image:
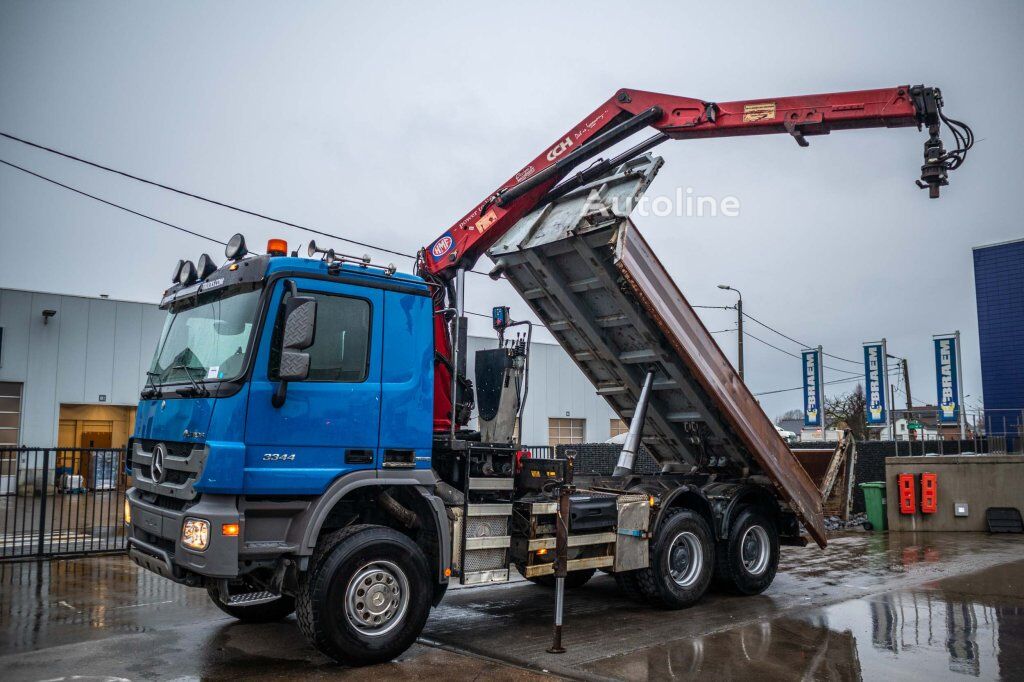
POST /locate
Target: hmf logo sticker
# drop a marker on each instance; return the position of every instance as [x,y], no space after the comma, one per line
[442,246]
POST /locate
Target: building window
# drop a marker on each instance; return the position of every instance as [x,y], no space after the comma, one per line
[566,431]
[10,414]
[617,427]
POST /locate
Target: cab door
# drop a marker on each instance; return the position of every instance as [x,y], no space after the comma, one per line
[329,423]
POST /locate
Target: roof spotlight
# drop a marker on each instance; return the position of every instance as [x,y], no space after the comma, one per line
[177,271]
[188,274]
[236,249]
[205,266]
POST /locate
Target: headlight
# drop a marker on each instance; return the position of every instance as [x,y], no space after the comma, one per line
[195,534]
[127,513]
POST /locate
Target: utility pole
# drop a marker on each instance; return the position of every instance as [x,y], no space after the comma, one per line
[906,383]
[739,326]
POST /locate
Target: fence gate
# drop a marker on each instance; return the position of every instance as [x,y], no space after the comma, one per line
[61,501]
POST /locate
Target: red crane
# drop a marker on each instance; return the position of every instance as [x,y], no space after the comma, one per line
[445,260]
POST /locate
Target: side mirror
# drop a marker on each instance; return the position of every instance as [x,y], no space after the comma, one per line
[299,334]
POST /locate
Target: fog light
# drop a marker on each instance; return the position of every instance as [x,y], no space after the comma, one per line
[127,513]
[195,534]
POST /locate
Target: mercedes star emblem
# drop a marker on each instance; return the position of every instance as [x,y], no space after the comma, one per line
[159,472]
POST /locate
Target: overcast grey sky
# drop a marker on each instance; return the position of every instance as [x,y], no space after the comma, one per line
[386,122]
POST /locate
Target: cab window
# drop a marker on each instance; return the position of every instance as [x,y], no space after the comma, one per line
[341,347]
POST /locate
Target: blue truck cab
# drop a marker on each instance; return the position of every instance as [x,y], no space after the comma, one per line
[239,462]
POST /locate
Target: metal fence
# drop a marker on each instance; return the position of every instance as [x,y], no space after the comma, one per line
[61,501]
[983,431]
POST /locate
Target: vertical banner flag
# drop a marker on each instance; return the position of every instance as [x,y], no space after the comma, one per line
[813,407]
[947,376]
[876,382]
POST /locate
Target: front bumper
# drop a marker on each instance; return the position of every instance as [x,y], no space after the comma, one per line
[154,539]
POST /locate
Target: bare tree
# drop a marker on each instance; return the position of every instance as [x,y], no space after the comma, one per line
[848,411]
[789,414]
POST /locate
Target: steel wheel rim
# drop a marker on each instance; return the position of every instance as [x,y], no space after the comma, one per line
[755,550]
[685,559]
[377,598]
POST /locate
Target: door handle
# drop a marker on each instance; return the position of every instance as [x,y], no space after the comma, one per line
[359,456]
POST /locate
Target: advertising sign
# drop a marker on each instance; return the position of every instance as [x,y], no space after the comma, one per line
[813,396]
[947,376]
[876,383]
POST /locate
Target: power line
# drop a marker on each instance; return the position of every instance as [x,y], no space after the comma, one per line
[800,388]
[794,355]
[798,342]
[143,215]
[111,203]
[214,202]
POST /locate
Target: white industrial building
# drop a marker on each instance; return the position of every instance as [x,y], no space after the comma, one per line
[72,367]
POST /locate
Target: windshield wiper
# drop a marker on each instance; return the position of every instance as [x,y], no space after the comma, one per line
[155,392]
[196,389]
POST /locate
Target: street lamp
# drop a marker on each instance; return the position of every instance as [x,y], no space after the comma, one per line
[739,324]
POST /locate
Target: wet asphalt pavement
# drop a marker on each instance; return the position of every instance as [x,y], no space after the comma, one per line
[923,606]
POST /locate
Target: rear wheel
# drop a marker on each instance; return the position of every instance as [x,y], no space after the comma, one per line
[572,580]
[682,561]
[628,584]
[366,595]
[749,558]
[266,612]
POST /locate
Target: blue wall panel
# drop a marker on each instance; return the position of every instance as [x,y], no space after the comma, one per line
[999,284]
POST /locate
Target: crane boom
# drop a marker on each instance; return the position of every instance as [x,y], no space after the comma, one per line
[673,117]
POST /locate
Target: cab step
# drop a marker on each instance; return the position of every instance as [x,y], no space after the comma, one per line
[252,598]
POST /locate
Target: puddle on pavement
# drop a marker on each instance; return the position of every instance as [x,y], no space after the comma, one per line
[969,625]
[47,603]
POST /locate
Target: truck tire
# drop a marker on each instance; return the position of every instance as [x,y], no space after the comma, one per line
[267,612]
[682,561]
[572,580]
[749,557]
[366,595]
[629,584]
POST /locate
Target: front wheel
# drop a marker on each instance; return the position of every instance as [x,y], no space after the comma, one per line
[749,557]
[366,596]
[266,612]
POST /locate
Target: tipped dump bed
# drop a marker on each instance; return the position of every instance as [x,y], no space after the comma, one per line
[585,270]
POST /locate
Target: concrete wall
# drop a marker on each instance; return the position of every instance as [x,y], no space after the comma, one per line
[981,481]
[92,347]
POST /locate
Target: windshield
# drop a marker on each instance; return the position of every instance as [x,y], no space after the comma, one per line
[207,341]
